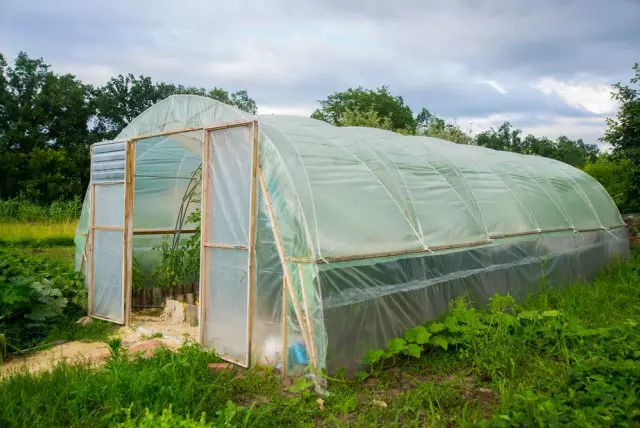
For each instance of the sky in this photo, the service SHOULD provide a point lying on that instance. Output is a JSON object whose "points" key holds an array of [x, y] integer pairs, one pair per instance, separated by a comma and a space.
{"points": [[546, 66]]}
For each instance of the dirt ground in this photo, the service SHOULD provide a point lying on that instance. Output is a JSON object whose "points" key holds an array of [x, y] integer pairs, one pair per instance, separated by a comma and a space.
{"points": [[134, 339]]}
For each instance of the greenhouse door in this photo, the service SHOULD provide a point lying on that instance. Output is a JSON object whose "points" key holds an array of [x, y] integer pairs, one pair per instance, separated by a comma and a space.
{"points": [[229, 157], [107, 281]]}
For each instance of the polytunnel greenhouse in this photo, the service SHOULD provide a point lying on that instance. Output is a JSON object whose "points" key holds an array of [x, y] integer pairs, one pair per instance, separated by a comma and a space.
{"points": [[324, 242]]}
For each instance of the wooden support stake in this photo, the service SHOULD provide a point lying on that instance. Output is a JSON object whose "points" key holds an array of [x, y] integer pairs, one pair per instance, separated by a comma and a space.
{"points": [[204, 236], [285, 268], [128, 232], [92, 235], [285, 307], [252, 235]]}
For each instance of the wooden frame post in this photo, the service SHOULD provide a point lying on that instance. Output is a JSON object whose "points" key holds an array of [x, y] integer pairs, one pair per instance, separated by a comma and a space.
{"points": [[91, 237], [287, 271], [128, 228], [204, 228], [255, 138], [285, 309]]}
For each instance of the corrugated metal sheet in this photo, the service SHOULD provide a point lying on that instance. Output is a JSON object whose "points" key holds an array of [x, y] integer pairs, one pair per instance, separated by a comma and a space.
{"points": [[108, 162]]}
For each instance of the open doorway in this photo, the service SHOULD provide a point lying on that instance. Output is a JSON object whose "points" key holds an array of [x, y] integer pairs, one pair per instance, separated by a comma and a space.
{"points": [[165, 263]]}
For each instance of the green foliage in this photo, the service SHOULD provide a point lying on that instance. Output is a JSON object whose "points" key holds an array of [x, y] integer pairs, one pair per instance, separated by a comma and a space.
{"points": [[48, 121], [365, 102], [432, 126], [573, 152], [623, 132], [22, 210], [563, 354], [614, 175], [44, 136], [369, 118], [35, 294], [180, 261]]}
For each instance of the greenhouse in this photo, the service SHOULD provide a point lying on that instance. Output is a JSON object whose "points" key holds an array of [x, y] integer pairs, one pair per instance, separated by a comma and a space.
{"points": [[310, 244]]}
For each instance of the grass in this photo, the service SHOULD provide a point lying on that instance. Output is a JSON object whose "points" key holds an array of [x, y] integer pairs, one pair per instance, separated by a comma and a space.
{"points": [[23, 211], [38, 234], [577, 365]]}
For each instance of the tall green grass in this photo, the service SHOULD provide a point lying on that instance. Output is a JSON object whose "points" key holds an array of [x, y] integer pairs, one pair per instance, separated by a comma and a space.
{"points": [[38, 234], [20, 211], [573, 361]]}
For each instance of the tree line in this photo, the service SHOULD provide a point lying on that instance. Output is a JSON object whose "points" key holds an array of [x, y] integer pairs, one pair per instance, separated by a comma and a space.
{"points": [[48, 121]]}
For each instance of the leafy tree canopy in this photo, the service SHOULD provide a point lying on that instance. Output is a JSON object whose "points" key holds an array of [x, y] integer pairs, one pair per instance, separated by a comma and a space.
{"points": [[623, 132]]}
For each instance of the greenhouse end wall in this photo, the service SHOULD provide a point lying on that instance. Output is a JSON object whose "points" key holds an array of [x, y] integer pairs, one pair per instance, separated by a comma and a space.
{"points": [[366, 304]]}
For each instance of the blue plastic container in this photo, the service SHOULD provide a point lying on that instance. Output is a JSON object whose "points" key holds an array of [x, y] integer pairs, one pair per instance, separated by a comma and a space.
{"points": [[298, 354]]}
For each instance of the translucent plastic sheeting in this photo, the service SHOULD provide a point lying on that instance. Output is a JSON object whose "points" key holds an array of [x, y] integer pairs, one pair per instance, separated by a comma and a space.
{"points": [[163, 169], [81, 236], [226, 320], [227, 218], [108, 253], [366, 304], [359, 191], [268, 312], [110, 205], [179, 112], [108, 291], [230, 186]]}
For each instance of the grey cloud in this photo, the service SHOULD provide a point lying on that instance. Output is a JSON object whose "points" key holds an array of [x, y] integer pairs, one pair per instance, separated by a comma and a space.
{"points": [[287, 52]]}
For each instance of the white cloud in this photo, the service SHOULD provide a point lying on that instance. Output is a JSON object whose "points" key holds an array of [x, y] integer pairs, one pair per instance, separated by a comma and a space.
{"points": [[495, 85], [589, 96]]}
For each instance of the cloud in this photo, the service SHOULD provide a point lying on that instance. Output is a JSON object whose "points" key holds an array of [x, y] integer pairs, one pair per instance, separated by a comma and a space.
{"points": [[546, 65], [593, 97]]}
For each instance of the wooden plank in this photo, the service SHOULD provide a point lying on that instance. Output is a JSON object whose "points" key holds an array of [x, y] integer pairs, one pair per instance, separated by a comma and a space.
{"points": [[252, 235], [285, 306], [228, 125], [165, 133], [204, 227], [307, 315], [226, 246], [128, 234], [285, 267], [92, 236], [162, 231], [103, 227], [332, 259]]}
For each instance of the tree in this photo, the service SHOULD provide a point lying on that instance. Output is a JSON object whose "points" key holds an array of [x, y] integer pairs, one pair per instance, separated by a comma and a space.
{"points": [[123, 98], [438, 128], [614, 175], [623, 132], [368, 118], [363, 101], [43, 116]]}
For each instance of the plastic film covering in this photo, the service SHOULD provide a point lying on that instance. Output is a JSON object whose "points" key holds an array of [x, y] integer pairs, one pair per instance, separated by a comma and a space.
{"points": [[81, 236], [180, 112], [340, 185], [228, 216], [108, 291], [108, 253], [369, 302], [390, 228], [267, 316]]}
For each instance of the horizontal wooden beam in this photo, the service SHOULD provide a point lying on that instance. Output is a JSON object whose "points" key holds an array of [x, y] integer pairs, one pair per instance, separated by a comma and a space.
{"points": [[162, 231], [226, 246], [100, 227], [165, 133]]}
